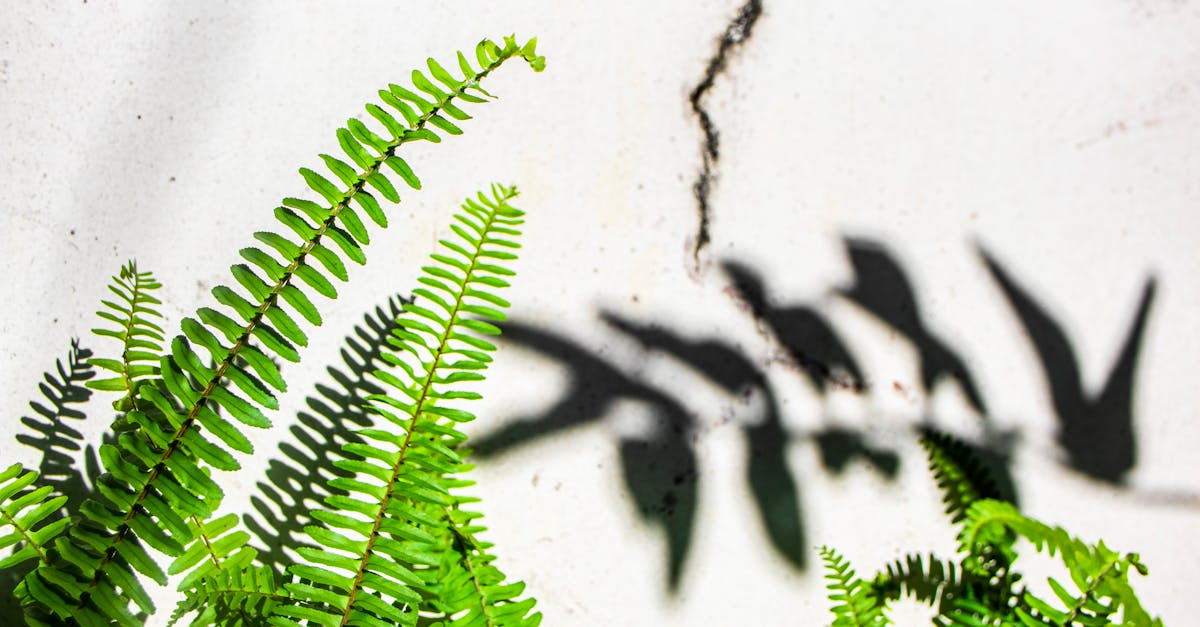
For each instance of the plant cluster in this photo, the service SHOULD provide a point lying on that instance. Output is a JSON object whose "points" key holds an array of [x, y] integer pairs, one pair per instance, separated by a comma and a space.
{"points": [[983, 587], [398, 541]]}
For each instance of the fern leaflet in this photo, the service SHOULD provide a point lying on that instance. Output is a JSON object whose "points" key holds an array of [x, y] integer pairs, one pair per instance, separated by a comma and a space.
{"points": [[235, 596]]}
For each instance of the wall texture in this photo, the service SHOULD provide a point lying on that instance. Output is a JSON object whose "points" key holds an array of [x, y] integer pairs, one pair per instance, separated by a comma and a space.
{"points": [[977, 216]]}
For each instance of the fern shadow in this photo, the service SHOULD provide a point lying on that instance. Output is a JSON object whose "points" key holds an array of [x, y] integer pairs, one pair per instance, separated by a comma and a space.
{"points": [[1095, 430], [882, 288], [61, 446], [659, 468], [296, 477], [770, 480]]}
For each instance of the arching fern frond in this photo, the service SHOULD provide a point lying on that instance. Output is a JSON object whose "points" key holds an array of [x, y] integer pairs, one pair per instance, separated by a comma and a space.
{"points": [[384, 541], [856, 603], [155, 481]]}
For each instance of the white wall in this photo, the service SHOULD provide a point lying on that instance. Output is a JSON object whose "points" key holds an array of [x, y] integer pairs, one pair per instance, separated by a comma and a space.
{"points": [[1061, 138]]}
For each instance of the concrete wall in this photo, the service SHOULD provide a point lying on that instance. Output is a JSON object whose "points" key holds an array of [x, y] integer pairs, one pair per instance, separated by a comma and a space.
{"points": [[976, 216]]}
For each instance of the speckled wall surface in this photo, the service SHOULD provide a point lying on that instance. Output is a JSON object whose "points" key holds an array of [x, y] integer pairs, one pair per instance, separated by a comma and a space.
{"points": [[978, 216]]}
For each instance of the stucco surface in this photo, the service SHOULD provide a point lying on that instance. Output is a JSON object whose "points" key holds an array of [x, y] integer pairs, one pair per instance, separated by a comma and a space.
{"points": [[871, 161]]}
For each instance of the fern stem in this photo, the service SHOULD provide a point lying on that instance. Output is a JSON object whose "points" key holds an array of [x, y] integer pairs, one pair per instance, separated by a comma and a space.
{"points": [[137, 287], [419, 405], [207, 543], [190, 419]]}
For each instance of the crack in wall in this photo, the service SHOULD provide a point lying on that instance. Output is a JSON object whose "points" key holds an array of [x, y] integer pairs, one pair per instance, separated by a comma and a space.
{"points": [[736, 33]]}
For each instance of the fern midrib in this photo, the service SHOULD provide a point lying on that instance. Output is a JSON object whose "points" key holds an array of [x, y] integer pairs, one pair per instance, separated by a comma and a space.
{"points": [[426, 384], [256, 319], [137, 288]]}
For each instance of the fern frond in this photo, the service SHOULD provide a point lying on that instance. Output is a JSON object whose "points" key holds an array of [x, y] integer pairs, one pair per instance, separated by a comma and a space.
{"points": [[380, 547], [156, 480], [471, 590], [140, 337], [1100, 575], [218, 545], [958, 472], [855, 602], [234, 597], [24, 514], [295, 478], [927, 579]]}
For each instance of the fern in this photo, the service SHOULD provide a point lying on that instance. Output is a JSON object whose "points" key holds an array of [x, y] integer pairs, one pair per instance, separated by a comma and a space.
{"points": [[983, 588], [928, 580], [235, 596], [958, 472], [25, 514], [469, 585], [383, 550], [157, 490], [140, 338], [856, 603], [1100, 576]]}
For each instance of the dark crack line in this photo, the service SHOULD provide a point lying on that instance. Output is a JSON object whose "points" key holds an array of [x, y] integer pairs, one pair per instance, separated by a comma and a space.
{"points": [[736, 33]]}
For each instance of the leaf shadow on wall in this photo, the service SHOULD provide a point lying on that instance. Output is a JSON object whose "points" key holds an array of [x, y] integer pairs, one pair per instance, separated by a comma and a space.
{"points": [[1095, 431], [295, 479], [661, 472]]}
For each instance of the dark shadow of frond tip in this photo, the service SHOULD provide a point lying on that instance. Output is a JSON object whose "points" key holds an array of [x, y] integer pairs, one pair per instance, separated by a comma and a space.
{"points": [[839, 447], [296, 477], [769, 478], [1096, 430]]}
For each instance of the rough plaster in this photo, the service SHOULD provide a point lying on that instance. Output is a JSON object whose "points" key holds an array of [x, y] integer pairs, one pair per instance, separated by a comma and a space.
{"points": [[1060, 138]]}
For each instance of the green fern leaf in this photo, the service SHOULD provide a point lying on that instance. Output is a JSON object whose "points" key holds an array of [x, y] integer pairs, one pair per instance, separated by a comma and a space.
{"points": [[1100, 575], [26, 517], [238, 596], [153, 477], [856, 603], [141, 338], [397, 524]]}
